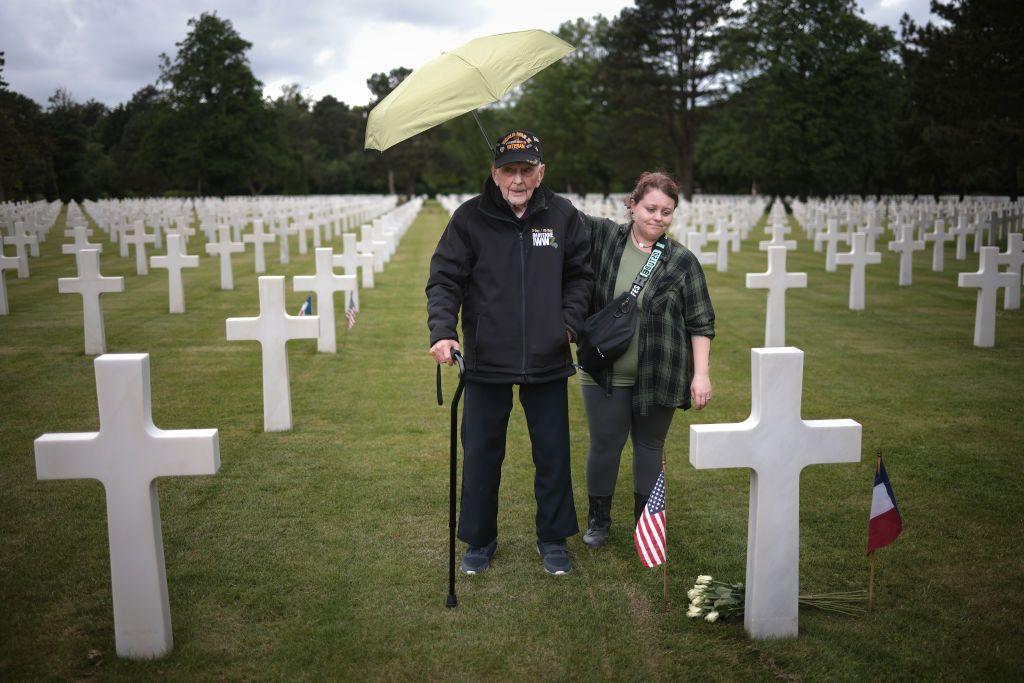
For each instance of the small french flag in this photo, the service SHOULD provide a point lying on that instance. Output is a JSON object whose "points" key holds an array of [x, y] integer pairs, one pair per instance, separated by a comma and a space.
{"points": [[307, 307], [885, 522]]}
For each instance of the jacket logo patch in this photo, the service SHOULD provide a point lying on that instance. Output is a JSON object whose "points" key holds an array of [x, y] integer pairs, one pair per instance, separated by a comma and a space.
{"points": [[544, 237]]}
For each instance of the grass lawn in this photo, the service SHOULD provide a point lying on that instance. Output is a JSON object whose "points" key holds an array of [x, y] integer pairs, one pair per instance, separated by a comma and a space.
{"points": [[321, 553]]}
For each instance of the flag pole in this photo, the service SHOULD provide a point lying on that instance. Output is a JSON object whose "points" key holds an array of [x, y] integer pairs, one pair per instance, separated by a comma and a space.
{"points": [[871, 581], [664, 565]]}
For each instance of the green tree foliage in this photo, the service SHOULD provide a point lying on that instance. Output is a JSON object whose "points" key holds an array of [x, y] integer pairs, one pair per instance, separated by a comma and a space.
{"points": [[221, 129], [817, 98], [965, 78], [663, 66]]}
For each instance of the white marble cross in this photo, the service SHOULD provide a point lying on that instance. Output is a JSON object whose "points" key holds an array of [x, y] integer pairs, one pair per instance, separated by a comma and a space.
{"points": [[778, 239], [694, 242], [127, 454], [873, 230], [91, 284], [939, 236], [33, 232], [368, 245], [988, 280], [831, 236], [858, 258], [174, 261], [776, 280], [81, 235], [302, 226], [272, 328], [324, 284], [1013, 257], [6, 263], [722, 238], [224, 247], [776, 443], [282, 229], [258, 238], [139, 238], [351, 260], [20, 240], [906, 245], [961, 231]]}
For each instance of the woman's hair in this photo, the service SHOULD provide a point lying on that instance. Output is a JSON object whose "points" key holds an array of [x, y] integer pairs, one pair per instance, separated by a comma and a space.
{"points": [[654, 180]]}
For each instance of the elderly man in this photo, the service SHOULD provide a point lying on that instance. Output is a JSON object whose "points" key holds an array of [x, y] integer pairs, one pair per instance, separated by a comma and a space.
{"points": [[516, 261]]}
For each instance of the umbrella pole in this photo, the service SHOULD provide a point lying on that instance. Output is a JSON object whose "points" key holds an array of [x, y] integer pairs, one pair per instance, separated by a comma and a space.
{"points": [[487, 140]]}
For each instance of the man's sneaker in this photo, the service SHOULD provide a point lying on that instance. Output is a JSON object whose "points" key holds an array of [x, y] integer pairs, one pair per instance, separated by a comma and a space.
{"points": [[478, 558], [555, 556]]}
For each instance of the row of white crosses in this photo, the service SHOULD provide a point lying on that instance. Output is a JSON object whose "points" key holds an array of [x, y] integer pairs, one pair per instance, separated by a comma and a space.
{"points": [[129, 452]]}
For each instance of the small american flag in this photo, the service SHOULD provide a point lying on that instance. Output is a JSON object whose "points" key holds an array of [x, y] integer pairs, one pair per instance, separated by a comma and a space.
{"points": [[307, 306], [350, 312], [650, 529]]}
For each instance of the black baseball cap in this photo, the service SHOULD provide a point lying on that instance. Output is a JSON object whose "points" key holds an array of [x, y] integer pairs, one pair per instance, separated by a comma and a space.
{"points": [[517, 146]]}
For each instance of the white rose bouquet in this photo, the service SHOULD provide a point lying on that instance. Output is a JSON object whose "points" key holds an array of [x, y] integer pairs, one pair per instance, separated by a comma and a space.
{"points": [[714, 600]]}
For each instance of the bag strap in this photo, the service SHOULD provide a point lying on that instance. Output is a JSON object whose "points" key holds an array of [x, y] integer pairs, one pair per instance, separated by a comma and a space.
{"points": [[645, 273]]}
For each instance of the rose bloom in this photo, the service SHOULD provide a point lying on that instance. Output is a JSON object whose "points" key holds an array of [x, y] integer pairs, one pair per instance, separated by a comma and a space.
{"points": [[711, 617]]}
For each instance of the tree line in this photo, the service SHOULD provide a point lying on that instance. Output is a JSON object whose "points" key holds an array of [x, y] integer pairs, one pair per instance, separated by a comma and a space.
{"points": [[797, 97]]}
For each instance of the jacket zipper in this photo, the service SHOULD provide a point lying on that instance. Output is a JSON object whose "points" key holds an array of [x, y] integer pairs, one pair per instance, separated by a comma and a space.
{"points": [[522, 282]]}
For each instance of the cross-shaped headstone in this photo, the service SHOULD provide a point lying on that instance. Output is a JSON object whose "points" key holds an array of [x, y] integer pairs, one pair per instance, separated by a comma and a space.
{"points": [[961, 231], [140, 238], [906, 245], [272, 329], [776, 280], [91, 284], [982, 230], [225, 247], [694, 242], [872, 230], [259, 237], [939, 236], [368, 245], [282, 229], [324, 284], [831, 237], [988, 280], [351, 260], [6, 263], [20, 240], [778, 231], [858, 258], [174, 261], [302, 226], [33, 231], [722, 238], [127, 454], [776, 443], [1013, 257], [81, 234]]}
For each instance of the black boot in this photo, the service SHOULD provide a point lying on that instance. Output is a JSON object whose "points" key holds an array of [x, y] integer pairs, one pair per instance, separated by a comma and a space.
{"points": [[599, 521], [639, 501]]}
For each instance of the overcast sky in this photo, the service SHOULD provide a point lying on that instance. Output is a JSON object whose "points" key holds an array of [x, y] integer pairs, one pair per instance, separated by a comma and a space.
{"points": [[108, 49]]}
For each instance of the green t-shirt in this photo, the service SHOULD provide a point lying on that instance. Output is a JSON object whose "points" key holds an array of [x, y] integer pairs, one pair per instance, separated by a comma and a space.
{"points": [[624, 369]]}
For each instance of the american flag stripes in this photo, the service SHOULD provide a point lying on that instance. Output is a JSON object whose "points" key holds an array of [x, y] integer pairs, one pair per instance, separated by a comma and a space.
{"points": [[650, 529], [350, 312]]}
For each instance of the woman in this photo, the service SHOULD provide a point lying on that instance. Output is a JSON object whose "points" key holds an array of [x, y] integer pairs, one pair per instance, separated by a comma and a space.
{"points": [[666, 364]]}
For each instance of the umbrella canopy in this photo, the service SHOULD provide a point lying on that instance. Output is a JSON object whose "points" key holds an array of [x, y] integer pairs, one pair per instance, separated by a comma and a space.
{"points": [[472, 75]]}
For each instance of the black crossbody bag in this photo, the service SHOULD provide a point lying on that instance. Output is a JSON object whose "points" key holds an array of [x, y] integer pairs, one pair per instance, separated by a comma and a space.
{"points": [[607, 333]]}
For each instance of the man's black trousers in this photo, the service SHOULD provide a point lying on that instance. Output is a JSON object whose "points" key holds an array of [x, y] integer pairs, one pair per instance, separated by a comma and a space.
{"points": [[484, 425]]}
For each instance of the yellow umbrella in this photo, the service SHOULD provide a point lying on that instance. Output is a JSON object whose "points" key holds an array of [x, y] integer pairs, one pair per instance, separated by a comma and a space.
{"points": [[474, 74]]}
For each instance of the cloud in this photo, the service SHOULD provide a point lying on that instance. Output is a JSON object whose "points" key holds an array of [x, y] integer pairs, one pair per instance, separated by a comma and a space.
{"points": [[109, 49]]}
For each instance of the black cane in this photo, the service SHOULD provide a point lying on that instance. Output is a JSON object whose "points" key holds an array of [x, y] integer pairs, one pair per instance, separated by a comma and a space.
{"points": [[452, 601]]}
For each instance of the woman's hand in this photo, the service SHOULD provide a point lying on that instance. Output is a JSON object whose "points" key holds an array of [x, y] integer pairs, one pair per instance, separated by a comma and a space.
{"points": [[700, 390], [442, 351]]}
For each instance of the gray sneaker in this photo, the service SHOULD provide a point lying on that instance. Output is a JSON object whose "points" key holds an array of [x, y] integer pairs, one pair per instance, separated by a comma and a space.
{"points": [[555, 556], [478, 558]]}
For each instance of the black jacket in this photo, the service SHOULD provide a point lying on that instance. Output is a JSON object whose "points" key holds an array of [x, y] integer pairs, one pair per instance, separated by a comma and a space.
{"points": [[520, 283]]}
